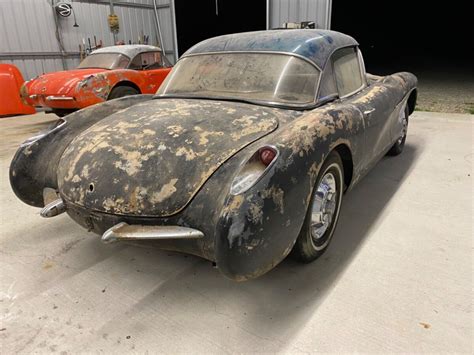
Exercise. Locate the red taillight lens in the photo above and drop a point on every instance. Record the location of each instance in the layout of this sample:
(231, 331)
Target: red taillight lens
(267, 155)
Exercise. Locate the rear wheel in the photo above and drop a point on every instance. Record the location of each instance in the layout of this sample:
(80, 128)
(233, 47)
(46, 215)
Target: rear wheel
(323, 212)
(397, 148)
(121, 91)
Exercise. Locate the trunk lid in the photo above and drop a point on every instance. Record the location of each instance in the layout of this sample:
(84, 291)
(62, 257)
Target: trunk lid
(152, 158)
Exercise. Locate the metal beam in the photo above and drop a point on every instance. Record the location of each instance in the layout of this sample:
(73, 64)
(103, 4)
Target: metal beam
(47, 55)
(268, 14)
(329, 5)
(174, 30)
(38, 55)
(58, 36)
(157, 24)
(124, 4)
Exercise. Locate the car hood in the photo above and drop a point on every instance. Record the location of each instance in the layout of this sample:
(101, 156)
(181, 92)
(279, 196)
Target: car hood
(59, 83)
(152, 158)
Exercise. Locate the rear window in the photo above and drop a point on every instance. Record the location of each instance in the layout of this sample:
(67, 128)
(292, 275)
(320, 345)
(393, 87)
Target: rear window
(275, 78)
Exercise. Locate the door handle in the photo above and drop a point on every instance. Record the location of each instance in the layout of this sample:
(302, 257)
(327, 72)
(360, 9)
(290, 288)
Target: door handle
(368, 112)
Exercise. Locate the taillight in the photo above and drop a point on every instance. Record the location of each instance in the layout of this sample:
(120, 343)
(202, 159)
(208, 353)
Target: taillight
(267, 154)
(253, 169)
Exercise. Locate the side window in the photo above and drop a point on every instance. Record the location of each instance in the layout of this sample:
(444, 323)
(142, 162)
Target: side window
(347, 71)
(147, 61)
(151, 60)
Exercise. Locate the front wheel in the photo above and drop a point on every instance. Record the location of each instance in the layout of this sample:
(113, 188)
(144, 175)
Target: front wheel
(323, 212)
(397, 148)
(121, 91)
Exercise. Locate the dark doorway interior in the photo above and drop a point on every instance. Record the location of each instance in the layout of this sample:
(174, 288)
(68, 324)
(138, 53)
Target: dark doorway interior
(199, 20)
(401, 33)
(432, 39)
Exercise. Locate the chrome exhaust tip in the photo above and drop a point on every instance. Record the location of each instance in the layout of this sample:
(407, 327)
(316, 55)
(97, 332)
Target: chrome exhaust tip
(53, 209)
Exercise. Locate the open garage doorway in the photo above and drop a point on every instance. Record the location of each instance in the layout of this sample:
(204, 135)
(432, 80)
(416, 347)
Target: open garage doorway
(433, 40)
(199, 20)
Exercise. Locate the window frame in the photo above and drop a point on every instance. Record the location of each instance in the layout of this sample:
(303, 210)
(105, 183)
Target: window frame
(361, 66)
(325, 77)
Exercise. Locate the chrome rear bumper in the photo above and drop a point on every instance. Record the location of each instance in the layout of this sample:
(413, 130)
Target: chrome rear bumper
(123, 231)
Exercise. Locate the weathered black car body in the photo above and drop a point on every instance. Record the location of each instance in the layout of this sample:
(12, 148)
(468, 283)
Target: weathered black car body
(143, 167)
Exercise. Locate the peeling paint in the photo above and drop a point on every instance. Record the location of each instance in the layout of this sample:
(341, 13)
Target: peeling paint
(160, 144)
(166, 191)
(255, 212)
(277, 196)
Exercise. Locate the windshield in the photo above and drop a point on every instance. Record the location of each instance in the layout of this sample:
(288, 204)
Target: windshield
(105, 61)
(265, 77)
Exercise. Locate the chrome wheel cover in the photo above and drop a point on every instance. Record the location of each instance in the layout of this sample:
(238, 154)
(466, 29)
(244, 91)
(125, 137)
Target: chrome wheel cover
(404, 121)
(324, 208)
(404, 131)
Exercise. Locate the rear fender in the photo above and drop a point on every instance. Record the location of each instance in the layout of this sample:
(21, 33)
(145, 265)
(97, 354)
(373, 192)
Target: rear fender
(34, 166)
(258, 228)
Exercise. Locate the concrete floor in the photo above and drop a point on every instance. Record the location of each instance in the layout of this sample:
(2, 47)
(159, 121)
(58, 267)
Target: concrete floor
(397, 277)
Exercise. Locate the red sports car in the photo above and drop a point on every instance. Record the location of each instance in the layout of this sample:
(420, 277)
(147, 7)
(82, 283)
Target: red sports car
(108, 73)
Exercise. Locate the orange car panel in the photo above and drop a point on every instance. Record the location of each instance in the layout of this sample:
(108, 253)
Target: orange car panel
(84, 87)
(10, 83)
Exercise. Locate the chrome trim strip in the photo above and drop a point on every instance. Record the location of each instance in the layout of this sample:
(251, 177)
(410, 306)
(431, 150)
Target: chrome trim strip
(42, 134)
(362, 67)
(53, 209)
(135, 232)
(59, 98)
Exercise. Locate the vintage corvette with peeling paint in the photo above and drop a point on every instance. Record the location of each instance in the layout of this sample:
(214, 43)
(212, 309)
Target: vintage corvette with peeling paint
(107, 73)
(242, 157)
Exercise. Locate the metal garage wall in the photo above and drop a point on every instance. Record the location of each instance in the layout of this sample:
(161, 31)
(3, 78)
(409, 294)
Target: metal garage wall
(28, 32)
(280, 11)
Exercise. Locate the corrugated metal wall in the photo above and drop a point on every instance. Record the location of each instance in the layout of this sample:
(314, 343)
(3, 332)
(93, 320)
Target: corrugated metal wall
(28, 32)
(281, 11)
